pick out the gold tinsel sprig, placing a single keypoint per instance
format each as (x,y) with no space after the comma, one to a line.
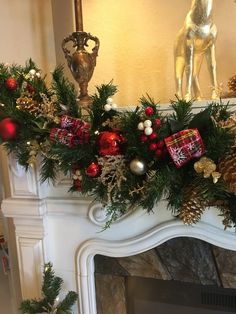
(113,174)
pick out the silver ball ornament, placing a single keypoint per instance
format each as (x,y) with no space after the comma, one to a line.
(138,166)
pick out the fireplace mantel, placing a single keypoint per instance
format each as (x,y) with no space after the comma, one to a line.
(66,229)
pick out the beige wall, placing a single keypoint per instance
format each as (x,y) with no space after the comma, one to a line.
(137,38)
(63,23)
(26,30)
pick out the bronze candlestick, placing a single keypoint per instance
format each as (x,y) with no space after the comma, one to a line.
(81,62)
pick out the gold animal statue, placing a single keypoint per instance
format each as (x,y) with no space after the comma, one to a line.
(195,40)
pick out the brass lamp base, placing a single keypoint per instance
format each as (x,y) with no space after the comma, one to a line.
(81,62)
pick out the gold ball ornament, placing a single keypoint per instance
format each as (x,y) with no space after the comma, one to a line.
(138,166)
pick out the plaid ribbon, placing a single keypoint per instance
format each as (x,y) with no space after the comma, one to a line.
(184,146)
(72,132)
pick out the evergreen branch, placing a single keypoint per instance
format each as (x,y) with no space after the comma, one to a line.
(49,169)
(67,303)
(50,290)
(220,111)
(65,91)
(181,116)
(218,141)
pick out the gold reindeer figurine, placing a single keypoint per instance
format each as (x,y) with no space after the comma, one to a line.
(195,40)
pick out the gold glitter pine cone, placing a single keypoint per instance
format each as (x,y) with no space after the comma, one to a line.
(193,207)
(227,167)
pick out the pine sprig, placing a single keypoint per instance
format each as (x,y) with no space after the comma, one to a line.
(97,113)
(50,290)
(218,142)
(220,111)
(65,91)
(181,116)
(49,169)
(65,305)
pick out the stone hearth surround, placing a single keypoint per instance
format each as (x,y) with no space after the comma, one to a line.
(53,225)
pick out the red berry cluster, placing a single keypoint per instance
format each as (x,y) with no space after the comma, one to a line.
(155,145)
(77,179)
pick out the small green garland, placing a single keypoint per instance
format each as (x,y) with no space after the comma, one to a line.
(124,159)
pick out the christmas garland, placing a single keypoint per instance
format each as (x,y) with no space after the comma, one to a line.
(124,159)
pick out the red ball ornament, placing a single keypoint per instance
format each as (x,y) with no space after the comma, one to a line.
(11,83)
(109,143)
(149,111)
(8,129)
(153,136)
(158,122)
(93,170)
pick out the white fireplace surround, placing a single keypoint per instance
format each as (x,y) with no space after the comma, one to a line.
(53,225)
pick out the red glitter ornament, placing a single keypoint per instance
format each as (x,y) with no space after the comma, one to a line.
(93,170)
(8,129)
(11,83)
(149,111)
(109,143)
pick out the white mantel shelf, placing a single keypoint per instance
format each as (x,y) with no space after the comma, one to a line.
(53,225)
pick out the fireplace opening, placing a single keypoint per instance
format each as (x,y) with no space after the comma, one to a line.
(152,296)
(183,275)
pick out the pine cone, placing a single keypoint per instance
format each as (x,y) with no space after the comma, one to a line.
(28,104)
(192,207)
(227,167)
(232,84)
(223,206)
